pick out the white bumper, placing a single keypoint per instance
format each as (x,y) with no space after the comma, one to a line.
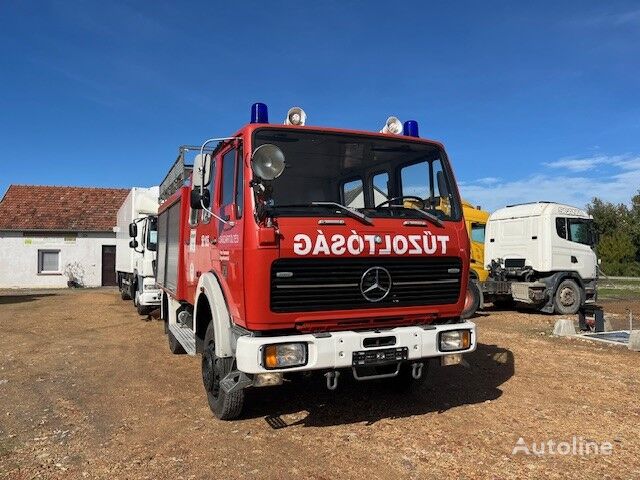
(150,297)
(150,294)
(335,349)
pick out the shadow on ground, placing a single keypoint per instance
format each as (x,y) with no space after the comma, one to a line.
(444,388)
(26,297)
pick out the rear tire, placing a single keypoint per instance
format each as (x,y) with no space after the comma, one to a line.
(568,298)
(472,300)
(225,406)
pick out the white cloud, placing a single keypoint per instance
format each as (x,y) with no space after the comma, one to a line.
(577,164)
(631,17)
(618,184)
(488,180)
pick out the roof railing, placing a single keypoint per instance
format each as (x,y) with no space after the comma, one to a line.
(179,173)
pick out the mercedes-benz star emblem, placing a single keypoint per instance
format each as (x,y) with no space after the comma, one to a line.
(375,284)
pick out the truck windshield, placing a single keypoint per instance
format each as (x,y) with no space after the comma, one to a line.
(360,172)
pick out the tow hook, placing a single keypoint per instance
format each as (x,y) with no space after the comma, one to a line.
(416,370)
(332,379)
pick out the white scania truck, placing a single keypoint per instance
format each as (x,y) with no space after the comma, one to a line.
(136,240)
(541,255)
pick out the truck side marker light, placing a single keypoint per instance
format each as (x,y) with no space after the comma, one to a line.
(414,223)
(330,222)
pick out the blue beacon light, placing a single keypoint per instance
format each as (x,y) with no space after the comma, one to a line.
(410,128)
(259,113)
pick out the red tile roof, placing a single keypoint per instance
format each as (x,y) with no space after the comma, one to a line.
(35,207)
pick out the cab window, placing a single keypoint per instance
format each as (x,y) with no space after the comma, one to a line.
(353,193)
(239,197)
(561,227)
(477,232)
(380,188)
(228,178)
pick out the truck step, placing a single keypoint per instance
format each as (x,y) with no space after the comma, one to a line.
(186,337)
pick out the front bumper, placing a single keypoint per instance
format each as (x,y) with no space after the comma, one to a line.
(150,297)
(335,350)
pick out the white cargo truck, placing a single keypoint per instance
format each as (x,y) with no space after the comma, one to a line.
(541,255)
(136,240)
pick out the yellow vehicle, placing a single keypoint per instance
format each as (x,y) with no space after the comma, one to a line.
(476,221)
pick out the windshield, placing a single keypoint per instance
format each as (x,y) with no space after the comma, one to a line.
(359,172)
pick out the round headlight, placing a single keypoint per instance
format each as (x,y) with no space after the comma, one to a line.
(267,161)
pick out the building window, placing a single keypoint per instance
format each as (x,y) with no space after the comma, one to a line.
(49,261)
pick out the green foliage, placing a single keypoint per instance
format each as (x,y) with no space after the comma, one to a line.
(616,247)
(619,230)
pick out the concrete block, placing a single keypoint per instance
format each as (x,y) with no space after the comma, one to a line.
(607,325)
(634,340)
(564,327)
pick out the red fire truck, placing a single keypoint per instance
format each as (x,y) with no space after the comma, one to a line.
(296,248)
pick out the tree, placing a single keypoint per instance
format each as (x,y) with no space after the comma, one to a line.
(616,247)
(619,230)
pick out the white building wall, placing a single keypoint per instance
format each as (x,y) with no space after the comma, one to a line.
(19,258)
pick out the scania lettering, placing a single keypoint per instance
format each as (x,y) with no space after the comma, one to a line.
(292,248)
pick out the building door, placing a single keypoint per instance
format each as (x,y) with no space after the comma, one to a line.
(109,266)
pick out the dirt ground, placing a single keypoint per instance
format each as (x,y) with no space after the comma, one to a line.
(88,389)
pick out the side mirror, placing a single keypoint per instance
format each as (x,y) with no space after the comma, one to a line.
(201,170)
(194,200)
(133,229)
(197,199)
(133,243)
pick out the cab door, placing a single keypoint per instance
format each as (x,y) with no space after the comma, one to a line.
(230,227)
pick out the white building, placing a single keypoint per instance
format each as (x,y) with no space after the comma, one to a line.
(50,236)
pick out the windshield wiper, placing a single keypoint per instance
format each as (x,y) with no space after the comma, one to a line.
(332,205)
(349,211)
(429,216)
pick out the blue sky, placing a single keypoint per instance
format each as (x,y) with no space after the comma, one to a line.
(532,101)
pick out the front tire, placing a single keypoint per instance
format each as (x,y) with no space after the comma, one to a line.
(568,298)
(225,406)
(472,300)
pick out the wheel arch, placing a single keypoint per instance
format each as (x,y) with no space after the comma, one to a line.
(553,282)
(211,306)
